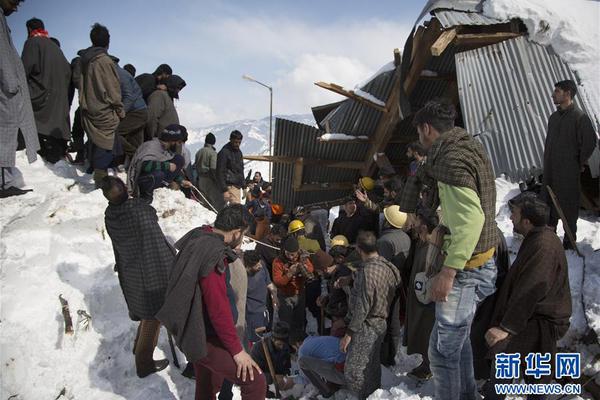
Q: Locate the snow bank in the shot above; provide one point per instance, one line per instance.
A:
(53, 241)
(570, 28)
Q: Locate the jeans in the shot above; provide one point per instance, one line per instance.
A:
(450, 352)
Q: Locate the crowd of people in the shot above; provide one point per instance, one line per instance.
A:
(413, 259)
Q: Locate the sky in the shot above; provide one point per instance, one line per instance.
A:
(288, 45)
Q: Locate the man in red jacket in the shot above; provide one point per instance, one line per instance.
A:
(202, 314)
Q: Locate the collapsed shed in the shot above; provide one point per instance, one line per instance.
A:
(499, 80)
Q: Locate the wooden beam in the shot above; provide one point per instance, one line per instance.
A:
(385, 127)
(308, 161)
(422, 54)
(484, 38)
(351, 95)
(317, 187)
(298, 172)
(443, 41)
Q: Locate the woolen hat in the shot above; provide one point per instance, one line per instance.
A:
(291, 244)
(173, 133)
(281, 330)
(210, 138)
(321, 260)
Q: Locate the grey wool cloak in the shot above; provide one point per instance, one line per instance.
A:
(16, 113)
(143, 257)
(199, 254)
(48, 76)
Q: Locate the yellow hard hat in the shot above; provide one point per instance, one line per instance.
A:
(367, 183)
(340, 240)
(295, 226)
(395, 217)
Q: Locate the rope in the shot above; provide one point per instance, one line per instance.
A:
(216, 212)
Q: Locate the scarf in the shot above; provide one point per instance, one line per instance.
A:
(38, 33)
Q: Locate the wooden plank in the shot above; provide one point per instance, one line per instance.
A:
(351, 95)
(298, 172)
(422, 55)
(293, 160)
(317, 187)
(443, 41)
(385, 127)
(484, 38)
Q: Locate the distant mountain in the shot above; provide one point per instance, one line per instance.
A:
(256, 137)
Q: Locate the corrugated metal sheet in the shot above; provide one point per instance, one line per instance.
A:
(357, 119)
(450, 18)
(505, 97)
(298, 140)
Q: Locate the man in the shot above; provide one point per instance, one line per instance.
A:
(394, 245)
(149, 82)
(416, 154)
(16, 114)
(161, 106)
(569, 143)
(291, 270)
(230, 169)
(315, 223)
(131, 69)
(279, 351)
(533, 306)
(48, 76)
(461, 172)
(130, 131)
(349, 222)
(321, 360)
(206, 167)
(297, 229)
(143, 259)
(374, 289)
(419, 316)
(155, 164)
(100, 99)
(201, 314)
(270, 247)
(259, 284)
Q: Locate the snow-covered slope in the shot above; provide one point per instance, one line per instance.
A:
(53, 241)
(256, 137)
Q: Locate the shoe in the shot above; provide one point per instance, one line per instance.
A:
(189, 372)
(421, 373)
(13, 191)
(159, 365)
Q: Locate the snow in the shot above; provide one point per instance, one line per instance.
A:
(53, 241)
(341, 136)
(570, 28)
(369, 96)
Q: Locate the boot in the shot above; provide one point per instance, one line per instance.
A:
(10, 190)
(137, 336)
(144, 348)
